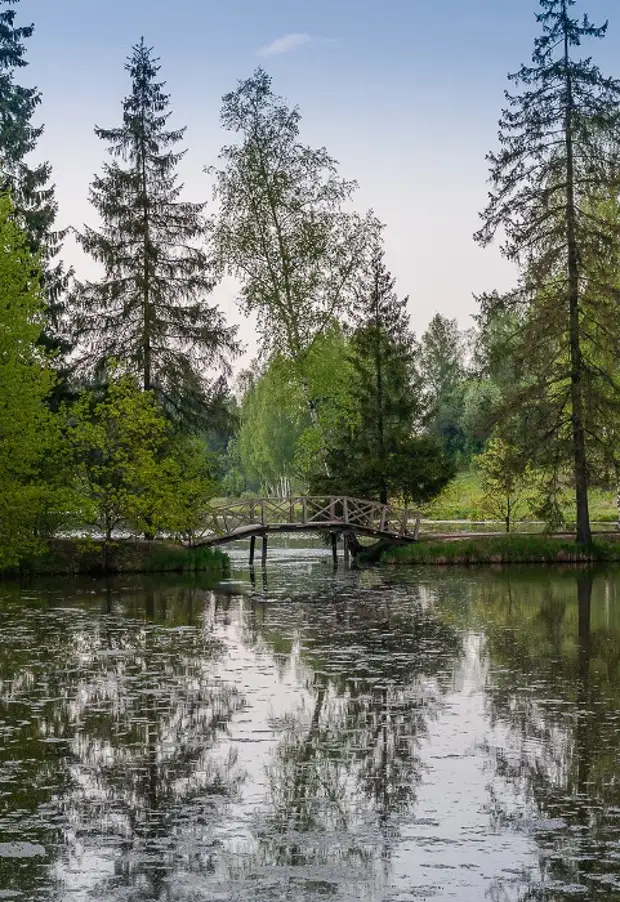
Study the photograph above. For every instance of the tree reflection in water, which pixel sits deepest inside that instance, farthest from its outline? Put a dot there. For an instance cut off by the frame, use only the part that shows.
(401, 702)
(346, 766)
(556, 687)
(129, 704)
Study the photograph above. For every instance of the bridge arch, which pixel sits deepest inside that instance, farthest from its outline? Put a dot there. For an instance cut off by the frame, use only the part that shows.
(251, 517)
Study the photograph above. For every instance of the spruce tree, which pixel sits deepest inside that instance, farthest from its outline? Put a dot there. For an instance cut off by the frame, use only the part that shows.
(148, 310)
(558, 141)
(29, 185)
(380, 453)
(386, 384)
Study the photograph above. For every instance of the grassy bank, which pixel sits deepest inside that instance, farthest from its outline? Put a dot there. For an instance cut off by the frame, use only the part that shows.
(463, 499)
(502, 550)
(68, 557)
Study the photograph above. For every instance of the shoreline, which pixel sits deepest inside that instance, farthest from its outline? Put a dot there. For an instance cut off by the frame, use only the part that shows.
(496, 550)
(90, 557)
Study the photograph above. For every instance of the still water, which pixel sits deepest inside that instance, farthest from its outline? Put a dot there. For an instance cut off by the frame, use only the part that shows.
(384, 735)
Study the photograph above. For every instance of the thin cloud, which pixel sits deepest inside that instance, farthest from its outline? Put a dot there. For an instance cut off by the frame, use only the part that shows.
(286, 44)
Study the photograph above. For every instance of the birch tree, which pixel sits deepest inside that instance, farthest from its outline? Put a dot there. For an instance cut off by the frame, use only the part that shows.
(284, 227)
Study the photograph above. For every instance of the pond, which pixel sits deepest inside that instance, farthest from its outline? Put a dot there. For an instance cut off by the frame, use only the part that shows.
(378, 736)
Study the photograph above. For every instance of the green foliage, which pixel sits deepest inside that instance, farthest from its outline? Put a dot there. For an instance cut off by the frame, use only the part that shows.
(420, 469)
(273, 416)
(70, 557)
(502, 550)
(282, 228)
(557, 157)
(28, 184)
(116, 443)
(279, 443)
(131, 469)
(373, 451)
(184, 487)
(27, 429)
(442, 368)
(507, 487)
(149, 310)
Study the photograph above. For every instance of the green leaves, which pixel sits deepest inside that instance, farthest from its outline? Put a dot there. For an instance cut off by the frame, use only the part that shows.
(27, 432)
(131, 470)
(281, 228)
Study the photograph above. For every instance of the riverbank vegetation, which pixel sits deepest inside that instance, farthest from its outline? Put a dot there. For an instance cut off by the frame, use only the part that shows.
(73, 557)
(516, 549)
(117, 409)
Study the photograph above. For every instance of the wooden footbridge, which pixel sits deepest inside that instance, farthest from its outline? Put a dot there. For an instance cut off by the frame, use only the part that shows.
(337, 515)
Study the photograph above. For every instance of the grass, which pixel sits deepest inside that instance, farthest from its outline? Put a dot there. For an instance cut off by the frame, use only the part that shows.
(512, 549)
(462, 499)
(67, 557)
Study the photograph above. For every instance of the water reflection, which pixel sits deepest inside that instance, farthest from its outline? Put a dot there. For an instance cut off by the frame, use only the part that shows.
(556, 692)
(385, 735)
(111, 717)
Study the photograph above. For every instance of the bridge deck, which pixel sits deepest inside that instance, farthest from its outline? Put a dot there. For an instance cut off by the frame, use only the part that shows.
(261, 516)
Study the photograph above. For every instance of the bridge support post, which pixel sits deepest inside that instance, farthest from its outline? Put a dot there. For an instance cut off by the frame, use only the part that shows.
(252, 549)
(264, 551)
(347, 556)
(334, 539)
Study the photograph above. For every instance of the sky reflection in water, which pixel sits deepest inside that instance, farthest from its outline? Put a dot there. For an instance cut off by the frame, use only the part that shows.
(384, 735)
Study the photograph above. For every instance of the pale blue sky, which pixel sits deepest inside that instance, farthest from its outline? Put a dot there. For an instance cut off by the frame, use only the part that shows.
(404, 93)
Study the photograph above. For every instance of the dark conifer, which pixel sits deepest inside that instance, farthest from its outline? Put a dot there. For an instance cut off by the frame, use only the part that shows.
(380, 453)
(557, 161)
(148, 310)
(30, 188)
(386, 387)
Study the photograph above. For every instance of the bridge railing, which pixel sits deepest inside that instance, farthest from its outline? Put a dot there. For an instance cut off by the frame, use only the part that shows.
(229, 518)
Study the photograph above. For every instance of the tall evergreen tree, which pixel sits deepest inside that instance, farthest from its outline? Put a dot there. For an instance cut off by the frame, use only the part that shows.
(148, 310)
(33, 194)
(558, 137)
(380, 452)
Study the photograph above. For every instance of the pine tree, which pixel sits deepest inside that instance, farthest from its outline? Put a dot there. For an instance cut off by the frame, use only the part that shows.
(380, 453)
(386, 386)
(559, 137)
(148, 310)
(30, 188)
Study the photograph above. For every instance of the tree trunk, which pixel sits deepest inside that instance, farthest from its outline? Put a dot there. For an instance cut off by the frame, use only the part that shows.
(146, 313)
(584, 534)
(314, 419)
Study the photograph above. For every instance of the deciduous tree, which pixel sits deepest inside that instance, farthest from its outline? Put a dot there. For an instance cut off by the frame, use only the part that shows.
(27, 428)
(283, 228)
